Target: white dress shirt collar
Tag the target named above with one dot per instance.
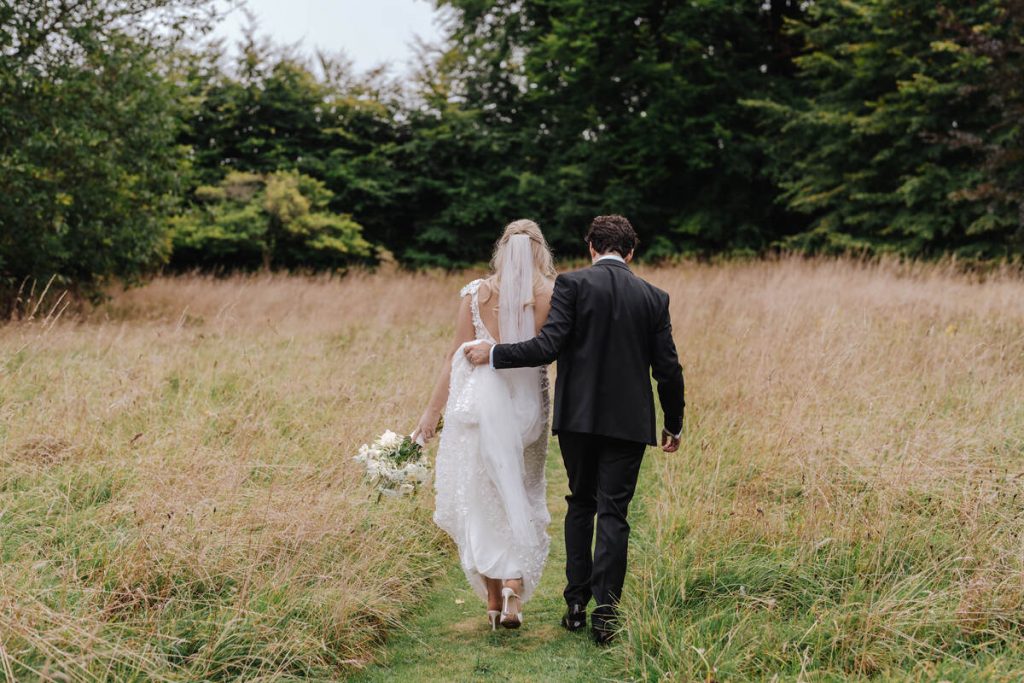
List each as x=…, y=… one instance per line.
x=614, y=257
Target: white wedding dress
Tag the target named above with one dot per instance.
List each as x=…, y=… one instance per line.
x=489, y=479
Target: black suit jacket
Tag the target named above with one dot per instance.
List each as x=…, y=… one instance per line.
x=608, y=330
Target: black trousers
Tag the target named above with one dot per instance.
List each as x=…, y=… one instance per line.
x=602, y=479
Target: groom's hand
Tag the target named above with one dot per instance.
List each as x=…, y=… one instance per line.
x=479, y=354
x=669, y=442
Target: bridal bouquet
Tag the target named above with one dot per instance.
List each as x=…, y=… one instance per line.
x=394, y=464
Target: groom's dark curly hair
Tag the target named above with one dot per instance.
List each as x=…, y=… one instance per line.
x=612, y=233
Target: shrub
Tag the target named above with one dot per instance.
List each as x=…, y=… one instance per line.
x=277, y=220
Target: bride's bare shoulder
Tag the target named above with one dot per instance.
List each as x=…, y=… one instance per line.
x=545, y=289
x=486, y=290
x=542, y=301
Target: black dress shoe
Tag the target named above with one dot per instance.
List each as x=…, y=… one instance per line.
x=575, y=618
x=602, y=635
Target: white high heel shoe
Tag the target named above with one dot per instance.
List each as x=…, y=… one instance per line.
x=510, y=619
x=492, y=617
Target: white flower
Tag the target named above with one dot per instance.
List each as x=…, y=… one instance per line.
x=418, y=472
x=384, y=473
x=390, y=440
x=388, y=467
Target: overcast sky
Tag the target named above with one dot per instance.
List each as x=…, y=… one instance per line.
x=370, y=32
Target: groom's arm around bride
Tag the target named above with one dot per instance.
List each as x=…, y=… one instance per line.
x=610, y=331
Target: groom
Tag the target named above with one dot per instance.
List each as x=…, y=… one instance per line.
x=610, y=331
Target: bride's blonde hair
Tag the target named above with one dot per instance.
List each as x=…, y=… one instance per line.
x=543, y=261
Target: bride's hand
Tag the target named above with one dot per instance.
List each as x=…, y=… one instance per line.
x=427, y=426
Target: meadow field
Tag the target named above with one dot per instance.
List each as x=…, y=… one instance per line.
x=178, y=499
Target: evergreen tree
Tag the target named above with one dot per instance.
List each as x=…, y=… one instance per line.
x=864, y=150
x=1000, y=190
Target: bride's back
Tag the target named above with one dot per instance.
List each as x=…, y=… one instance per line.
x=489, y=297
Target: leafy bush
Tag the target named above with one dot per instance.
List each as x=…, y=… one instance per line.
x=276, y=220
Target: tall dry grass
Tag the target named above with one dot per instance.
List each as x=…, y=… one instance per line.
x=849, y=501
x=177, y=500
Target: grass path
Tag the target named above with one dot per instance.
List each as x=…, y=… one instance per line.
x=448, y=638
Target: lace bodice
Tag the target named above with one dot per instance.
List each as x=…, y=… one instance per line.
x=473, y=290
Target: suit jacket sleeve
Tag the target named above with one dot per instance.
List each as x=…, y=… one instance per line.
x=545, y=347
x=668, y=373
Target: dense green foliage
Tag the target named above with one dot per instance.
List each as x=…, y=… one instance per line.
x=88, y=158
x=276, y=220
x=1001, y=44
x=717, y=126
x=885, y=144
x=578, y=108
x=269, y=112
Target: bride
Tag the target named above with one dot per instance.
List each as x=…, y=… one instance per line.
x=489, y=482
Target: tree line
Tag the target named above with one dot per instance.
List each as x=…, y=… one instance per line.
x=718, y=127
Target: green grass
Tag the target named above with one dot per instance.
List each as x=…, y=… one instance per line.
x=447, y=637
x=178, y=502
x=848, y=504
